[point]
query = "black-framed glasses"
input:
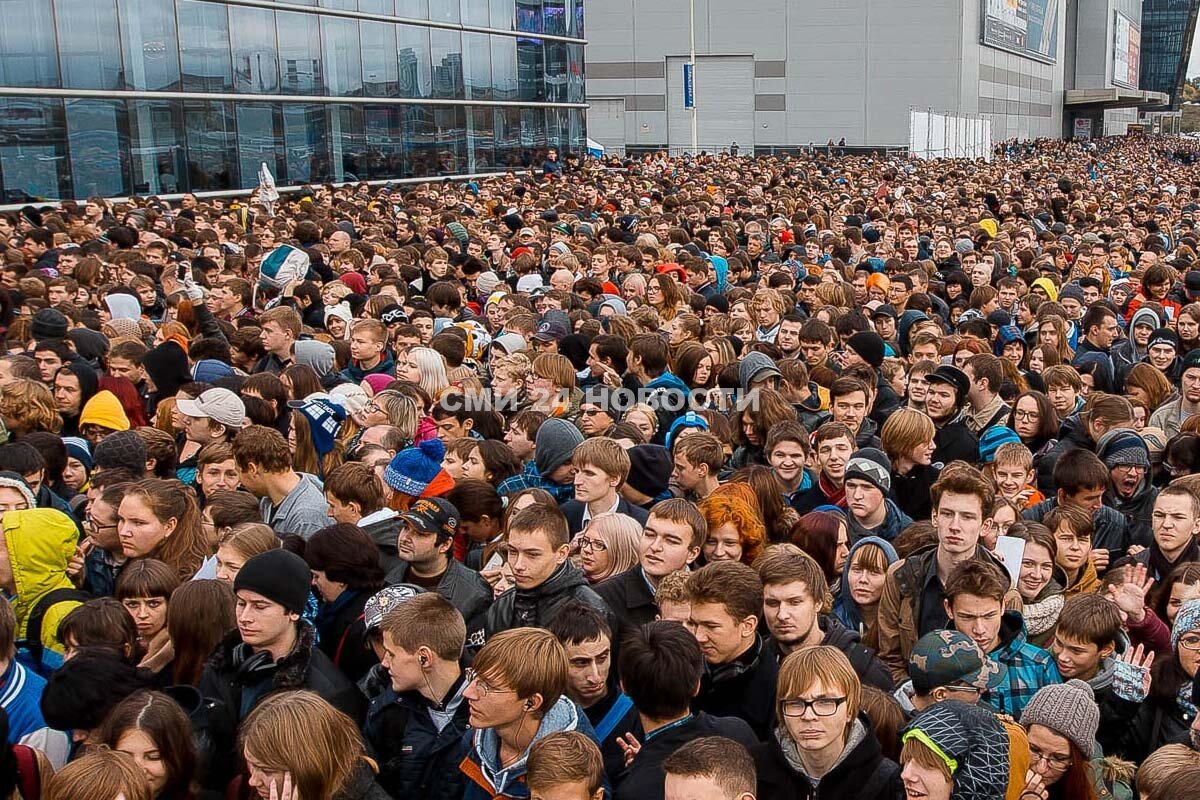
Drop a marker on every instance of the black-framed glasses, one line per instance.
(594, 545)
(821, 707)
(1054, 760)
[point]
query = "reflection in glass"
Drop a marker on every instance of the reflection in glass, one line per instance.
(444, 10)
(158, 157)
(306, 138)
(88, 46)
(211, 142)
(555, 14)
(380, 66)
(446, 50)
(204, 46)
(556, 72)
(342, 59)
(149, 44)
(477, 66)
(384, 142)
(300, 70)
(531, 72)
(481, 150)
(255, 59)
(508, 137)
(347, 142)
(33, 149)
(258, 137)
(99, 147)
(28, 51)
(504, 68)
(503, 14)
(575, 75)
(415, 68)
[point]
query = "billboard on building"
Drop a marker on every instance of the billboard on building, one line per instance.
(1127, 51)
(1026, 27)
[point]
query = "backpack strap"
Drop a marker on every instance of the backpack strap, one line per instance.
(29, 773)
(619, 709)
(337, 654)
(33, 628)
(874, 785)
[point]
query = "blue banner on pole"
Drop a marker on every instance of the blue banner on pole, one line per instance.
(689, 87)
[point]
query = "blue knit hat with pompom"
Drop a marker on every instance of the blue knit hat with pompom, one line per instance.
(413, 469)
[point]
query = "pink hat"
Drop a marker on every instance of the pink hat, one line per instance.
(378, 382)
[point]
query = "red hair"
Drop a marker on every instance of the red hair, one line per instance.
(816, 534)
(720, 508)
(131, 401)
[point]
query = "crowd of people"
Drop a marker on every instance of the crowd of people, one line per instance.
(711, 478)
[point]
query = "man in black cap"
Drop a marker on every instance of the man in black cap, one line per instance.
(649, 475)
(274, 648)
(867, 347)
(944, 402)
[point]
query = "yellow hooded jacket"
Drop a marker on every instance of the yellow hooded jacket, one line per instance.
(40, 544)
(104, 409)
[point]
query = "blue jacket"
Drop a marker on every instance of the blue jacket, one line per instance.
(844, 607)
(485, 780)
(1029, 668)
(895, 521)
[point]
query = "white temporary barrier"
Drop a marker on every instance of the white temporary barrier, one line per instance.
(936, 134)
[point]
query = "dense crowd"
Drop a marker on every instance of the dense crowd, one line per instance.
(707, 478)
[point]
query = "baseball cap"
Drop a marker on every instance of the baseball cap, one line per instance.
(551, 330)
(949, 374)
(947, 657)
(527, 232)
(383, 601)
(433, 515)
(219, 405)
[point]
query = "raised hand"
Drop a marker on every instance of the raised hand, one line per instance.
(1141, 659)
(287, 791)
(1130, 596)
(630, 746)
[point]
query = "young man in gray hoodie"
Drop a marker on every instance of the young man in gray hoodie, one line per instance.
(291, 502)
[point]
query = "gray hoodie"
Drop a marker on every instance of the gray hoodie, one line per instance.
(303, 512)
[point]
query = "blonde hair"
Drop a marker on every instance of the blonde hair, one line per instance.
(906, 430)
(622, 535)
(99, 775)
(29, 406)
(673, 588)
(604, 454)
(516, 365)
(432, 367)
(557, 368)
(804, 667)
(301, 733)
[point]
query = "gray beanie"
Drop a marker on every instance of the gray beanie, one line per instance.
(1069, 709)
(872, 466)
(553, 445)
(316, 354)
(756, 366)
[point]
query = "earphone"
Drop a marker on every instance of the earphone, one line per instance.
(424, 662)
(529, 705)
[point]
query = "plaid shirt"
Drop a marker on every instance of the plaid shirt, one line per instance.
(530, 478)
(1029, 668)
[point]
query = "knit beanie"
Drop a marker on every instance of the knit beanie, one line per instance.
(510, 343)
(974, 739)
(315, 354)
(210, 370)
(553, 445)
(486, 283)
(1073, 291)
(351, 396)
(119, 327)
(104, 410)
(1069, 709)
(77, 448)
(869, 346)
(1123, 446)
(1145, 316)
(649, 469)
(121, 449)
(992, 439)
(280, 576)
(50, 323)
(11, 480)
(378, 381)
(873, 466)
(325, 417)
(1163, 336)
(756, 366)
(1186, 621)
(413, 469)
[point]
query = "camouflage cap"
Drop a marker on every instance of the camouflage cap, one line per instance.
(946, 657)
(385, 600)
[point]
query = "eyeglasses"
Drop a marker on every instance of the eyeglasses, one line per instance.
(594, 545)
(1190, 641)
(1052, 759)
(1128, 468)
(483, 686)
(96, 526)
(1027, 415)
(821, 707)
(962, 687)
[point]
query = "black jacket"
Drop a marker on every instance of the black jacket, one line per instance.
(911, 491)
(1071, 435)
(743, 688)
(463, 587)
(870, 669)
(573, 511)
(644, 778)
(955, 442)
(383, 533)
(1109, 532)
(630, 600)
(534, 608)
(342, 633)
(1159, 719)
(862, 774)
(415, 758)
(238, 680)
(627, 722)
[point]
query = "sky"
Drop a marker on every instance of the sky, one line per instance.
(1194, 64)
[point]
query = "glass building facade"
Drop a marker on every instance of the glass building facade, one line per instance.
(120, 97)
(1167, 30)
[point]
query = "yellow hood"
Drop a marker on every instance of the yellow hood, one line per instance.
(40, 542)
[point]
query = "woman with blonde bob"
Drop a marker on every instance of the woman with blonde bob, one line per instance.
(735, 528)
(296, 741)
(907, 438)
(608, 546)
(551, 387)
(425, 367)
(824, 744)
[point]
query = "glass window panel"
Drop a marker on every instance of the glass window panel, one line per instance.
(508, 137)
(555, 13)
(420, 141)
(306, 137)
(477, 66)
(90, 50)
(99, 140)
(258, 137)
(446, 49)
(255, 51)
(343, 65)
(28, 47)
(533, 135)
(481, 140)
(444, 10)
(575, 18)
(377, 6)
(348, 143)
(33, 150)
(556, 123)
(211, 143)
(503, 14)
(157, 154)
(416, 71)
(344, 5)
(531, 72)
(475, 12)
(577, 138)
(149, 44)
(300, 70)
(529, 16)
(575, 74)
(451, 125)
(412, 9)
(384, 129)
(204, 47)
(556, 72)
(380, 65)
(504, 68)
